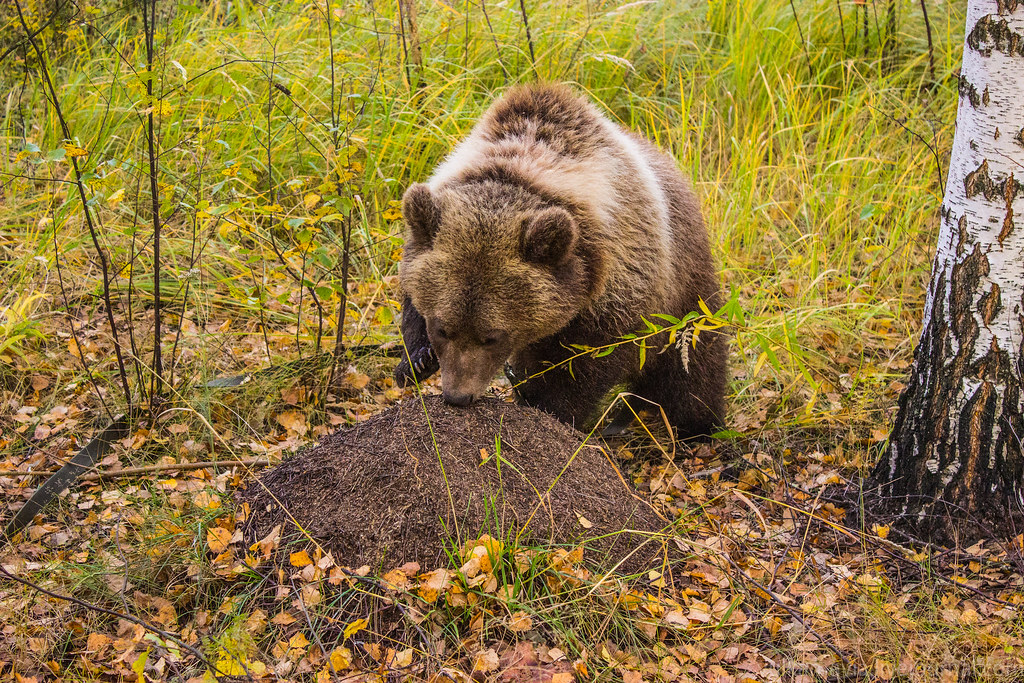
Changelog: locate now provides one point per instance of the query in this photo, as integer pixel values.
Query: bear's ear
(549, 237)
(421, 214)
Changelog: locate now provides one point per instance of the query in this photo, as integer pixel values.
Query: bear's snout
(456, 399)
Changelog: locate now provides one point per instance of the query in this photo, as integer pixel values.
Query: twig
(104, 266)
(928, 32)
(529, 38)
(334, 381)
(330, 51)
(803, 42)
(497, 48)
(931, 148)
(842, 28)
(792, 612)
(149, 28)
(150, 469)
(109, 612)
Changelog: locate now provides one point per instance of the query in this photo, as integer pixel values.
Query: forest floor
(283, 134)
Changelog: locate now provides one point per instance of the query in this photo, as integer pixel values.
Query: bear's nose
(455, 399)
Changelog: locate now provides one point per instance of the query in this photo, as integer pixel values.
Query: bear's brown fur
(551, 227)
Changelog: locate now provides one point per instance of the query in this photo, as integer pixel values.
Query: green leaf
(727, 435)
(867, 212)
(56, 154)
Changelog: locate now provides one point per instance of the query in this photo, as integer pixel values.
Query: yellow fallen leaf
(300, 559)
(218, 538)
(433, 584)
(355, 627)
(298, 642)
(341, 658)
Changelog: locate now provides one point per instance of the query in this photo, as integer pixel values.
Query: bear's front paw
(424, 363)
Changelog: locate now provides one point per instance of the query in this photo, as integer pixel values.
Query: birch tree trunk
(954, 456)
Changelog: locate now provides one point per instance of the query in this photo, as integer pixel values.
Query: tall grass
(815, 160)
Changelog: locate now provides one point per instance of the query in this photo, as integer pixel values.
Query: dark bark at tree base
(953, 463)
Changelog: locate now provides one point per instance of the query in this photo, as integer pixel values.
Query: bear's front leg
(418, 358)
(572, 393)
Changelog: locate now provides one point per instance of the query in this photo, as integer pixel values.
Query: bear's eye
(442, 333)
(490, 341)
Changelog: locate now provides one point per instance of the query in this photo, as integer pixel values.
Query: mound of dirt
(405, 484)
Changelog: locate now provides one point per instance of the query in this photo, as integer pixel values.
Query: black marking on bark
(968, 90)
(1009, 190)
(979, 181)
(961, 234)
(1019, 137)
(985, 99)
(1007, 6)
(990, 304)
(995, 136)
(993, 33)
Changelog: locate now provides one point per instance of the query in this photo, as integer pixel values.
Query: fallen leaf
(485, 661)
(218, 538)
(300, 559)
(355, 627)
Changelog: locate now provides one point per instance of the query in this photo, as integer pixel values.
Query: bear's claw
(424, 363)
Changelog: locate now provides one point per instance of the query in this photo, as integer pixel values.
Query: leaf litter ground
(414, 482)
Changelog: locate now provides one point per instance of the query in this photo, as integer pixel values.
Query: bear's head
(492, 268)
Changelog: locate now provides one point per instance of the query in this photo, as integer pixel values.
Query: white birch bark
(957, 437)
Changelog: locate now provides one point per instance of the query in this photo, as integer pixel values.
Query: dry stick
(405, 47)
(497, 48)
(330, 49)
(792, 612)
(130, 265)
(803, 42)
(149, 28)
(263, 320)
(71, 324)
(271, 190)
(529, 38)
(931, 147)
(339, 340)
(842, 29)
(113, 613)
(104, 266)
(928, 32)
(150, 469)
(890, 28)
(867, 42)
(878, 29)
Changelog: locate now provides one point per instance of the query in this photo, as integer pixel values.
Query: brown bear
(550, 228)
